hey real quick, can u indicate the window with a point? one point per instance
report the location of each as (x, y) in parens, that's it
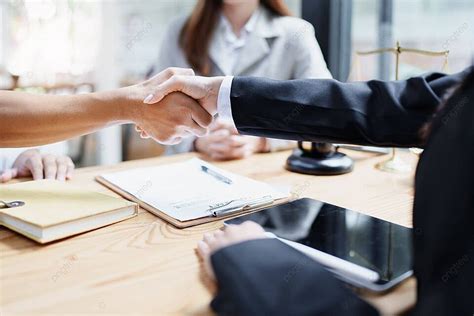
(434, 25)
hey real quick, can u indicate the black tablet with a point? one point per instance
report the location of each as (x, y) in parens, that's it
(361, 250)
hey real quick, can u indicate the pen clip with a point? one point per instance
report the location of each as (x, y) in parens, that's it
(220, 205)
(12, 204)
(255, 203)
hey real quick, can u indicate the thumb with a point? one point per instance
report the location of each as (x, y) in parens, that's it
(8, 174)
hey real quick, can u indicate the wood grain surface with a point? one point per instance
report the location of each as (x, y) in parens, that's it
(145, 266)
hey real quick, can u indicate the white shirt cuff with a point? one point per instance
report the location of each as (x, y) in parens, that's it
(224, 108)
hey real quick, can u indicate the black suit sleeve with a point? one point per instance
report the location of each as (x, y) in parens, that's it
(324, 110)
(267, 277)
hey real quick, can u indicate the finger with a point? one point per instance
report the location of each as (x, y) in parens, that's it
(203, 250)
(220, 157)
(195, 129)
(251, 224)
(209, 239)
(177, 83)
(219, 135)
(35, 165)
(50, 166)
(220, 151)
(234, 129)
(231, 153)
(174, 141)
(144, 135)
(232, 228)
(241, 152)
(202, 144)
(219, 234)
(8, 174)
(62, 164)
(198, 114)
(222, 124)
(238, 141)
(70, 169)
(217, 125)
(228, 143)
(212, 139)
(201, 116)
(170, 72)
(138, 129)
(221, 147)
(164, 76)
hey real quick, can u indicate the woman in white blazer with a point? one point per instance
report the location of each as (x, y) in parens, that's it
(241, 38)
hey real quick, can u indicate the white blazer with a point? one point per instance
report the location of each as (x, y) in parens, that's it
(281, 48)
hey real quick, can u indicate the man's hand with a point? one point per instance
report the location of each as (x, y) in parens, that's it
(230, 235)
(224, 143)
(203, 89)
(40, 166)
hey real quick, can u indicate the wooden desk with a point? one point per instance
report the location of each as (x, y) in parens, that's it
(145, 266)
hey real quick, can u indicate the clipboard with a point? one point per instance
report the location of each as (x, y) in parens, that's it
(245, 209)
(192, 192)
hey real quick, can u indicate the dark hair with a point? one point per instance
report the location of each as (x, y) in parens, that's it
(196, 34)
(449, 108)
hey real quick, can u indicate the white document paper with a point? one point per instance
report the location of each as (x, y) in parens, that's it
(183, 191)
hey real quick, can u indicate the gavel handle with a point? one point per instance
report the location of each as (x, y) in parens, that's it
(318, 148)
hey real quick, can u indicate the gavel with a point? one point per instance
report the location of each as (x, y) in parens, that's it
(318, 159)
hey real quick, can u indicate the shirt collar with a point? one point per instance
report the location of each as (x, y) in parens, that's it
(247, 29)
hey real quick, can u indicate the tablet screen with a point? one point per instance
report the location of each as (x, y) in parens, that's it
(369, 242)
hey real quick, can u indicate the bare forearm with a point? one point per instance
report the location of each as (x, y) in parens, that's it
(30, 120)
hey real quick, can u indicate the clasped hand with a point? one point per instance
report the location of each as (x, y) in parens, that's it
(177, 104)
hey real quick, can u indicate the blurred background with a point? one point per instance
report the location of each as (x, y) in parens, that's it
(77, 46)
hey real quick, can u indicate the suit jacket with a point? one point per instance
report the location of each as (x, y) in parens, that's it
(372, 113)
(278, 48)
(266, 277)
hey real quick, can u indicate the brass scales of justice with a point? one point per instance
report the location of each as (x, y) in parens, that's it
(394, 164)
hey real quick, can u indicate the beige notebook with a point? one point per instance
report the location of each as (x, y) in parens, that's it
(51, 210)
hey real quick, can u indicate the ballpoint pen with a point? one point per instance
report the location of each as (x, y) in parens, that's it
(216, 175)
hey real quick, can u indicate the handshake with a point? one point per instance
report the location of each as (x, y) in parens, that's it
(173, 104)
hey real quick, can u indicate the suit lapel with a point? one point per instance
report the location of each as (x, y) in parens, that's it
(256, 46)
(255, 49)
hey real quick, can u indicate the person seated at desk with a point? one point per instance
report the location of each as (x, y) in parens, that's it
(251, 269)
(241, 37)
(47, 162)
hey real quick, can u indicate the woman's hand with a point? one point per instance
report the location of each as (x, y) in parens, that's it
(40, 166)
(230, 235)
(224, 143)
